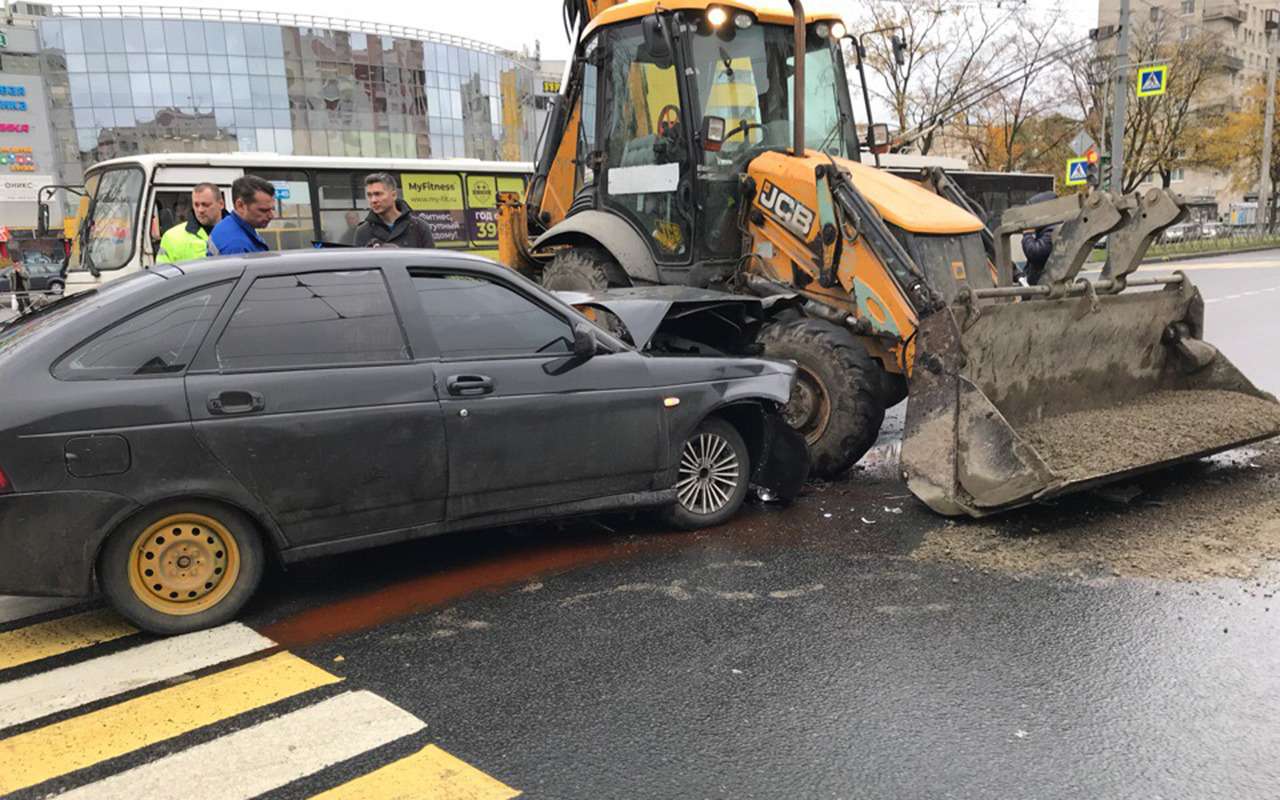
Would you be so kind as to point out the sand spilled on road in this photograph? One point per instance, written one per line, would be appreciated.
(1212, 519)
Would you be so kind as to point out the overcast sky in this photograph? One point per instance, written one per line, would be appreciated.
(514, 24)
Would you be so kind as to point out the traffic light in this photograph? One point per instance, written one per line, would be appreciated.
(1091, 161)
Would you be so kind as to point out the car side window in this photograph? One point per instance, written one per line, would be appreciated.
(473, 317)
(313, 319)
(159, 341)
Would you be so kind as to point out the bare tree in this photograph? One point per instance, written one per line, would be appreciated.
(947, 50)
(1157, 130)
(1007, 131)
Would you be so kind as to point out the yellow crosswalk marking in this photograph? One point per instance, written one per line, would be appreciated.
(429, 774)
(44, 753)
(53, 638)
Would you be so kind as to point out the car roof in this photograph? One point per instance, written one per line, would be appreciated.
(279, 263)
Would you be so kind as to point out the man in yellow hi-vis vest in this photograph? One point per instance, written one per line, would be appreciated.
(189, 240)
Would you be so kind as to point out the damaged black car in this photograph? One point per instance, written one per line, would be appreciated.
(163, 435)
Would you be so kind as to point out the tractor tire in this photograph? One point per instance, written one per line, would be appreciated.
(581, 269)
(838, 399)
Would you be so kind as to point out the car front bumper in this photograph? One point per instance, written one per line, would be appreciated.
(49, 540)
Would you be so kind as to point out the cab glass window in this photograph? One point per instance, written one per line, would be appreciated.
(316, 319)
(472, 317)
(159, 341)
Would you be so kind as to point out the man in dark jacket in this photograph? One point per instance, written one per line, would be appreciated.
(391, 223)
(1037, 245)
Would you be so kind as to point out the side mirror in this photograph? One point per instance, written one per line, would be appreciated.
(42, 220)
(899, 50)
(584, 341)
(878, 135)
(656, 46)
(713, 129)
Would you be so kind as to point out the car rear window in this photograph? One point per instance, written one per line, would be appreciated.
(28, 328)
(161, 340)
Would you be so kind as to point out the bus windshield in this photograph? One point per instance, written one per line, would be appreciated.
(107, 238)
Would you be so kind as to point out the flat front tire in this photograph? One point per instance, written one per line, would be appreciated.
(182, 566)
(712, 478)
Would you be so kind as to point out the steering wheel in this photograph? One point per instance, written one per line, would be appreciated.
(742, 128)
(668, 119)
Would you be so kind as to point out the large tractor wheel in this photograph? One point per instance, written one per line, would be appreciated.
(182, 566)
(838, 399)
(581, 269)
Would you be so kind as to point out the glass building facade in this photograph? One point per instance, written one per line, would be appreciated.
(121, 83)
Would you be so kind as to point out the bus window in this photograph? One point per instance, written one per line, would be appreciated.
(342, 205)
(482, 206)
(293, 228)
(437, 197)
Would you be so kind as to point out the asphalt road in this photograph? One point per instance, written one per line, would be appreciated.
(840, 648)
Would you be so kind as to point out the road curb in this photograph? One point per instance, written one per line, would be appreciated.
(1210, 254)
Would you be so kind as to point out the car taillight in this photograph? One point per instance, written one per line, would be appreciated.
(5, 485)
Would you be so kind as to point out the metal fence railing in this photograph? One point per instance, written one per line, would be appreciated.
(1247, 239)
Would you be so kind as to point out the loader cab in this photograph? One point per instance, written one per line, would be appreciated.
(650, 87)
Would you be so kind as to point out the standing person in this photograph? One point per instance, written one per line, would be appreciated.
(1037, 245)
(255, 207)
(390, 221)
(188, 241)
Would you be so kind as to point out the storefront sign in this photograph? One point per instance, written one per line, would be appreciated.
(13, 105)
(18, 159)
(22, 188)
(13, 91)
(14, 127)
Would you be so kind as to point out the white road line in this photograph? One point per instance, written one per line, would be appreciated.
(68, 687)
(267, 756)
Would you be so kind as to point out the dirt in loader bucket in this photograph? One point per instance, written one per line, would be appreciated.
(1014, 402)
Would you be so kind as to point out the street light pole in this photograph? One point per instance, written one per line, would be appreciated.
(1264, 179)
(1120, 100)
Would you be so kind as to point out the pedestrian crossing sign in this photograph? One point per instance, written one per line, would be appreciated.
(1153, 80)
(1077, 171)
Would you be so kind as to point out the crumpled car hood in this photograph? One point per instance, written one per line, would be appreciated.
(726, 322)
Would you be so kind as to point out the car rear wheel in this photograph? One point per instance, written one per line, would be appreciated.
(56, 287)
(182, 566)
(712, 478)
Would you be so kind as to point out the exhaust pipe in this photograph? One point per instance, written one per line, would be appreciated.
(797, 8)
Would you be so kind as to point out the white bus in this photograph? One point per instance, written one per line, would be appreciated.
(129, 202)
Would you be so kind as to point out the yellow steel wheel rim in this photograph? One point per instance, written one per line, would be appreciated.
(184, 564)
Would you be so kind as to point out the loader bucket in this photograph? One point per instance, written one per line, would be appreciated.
(1015, 402)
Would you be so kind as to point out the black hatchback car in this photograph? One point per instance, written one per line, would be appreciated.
(161, 435)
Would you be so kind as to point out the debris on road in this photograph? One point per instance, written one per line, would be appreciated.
(1217, 518)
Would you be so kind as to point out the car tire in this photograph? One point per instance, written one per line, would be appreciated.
(182, 566)
(712, 477)
(839, 398)
(581, 269)
(56, 287)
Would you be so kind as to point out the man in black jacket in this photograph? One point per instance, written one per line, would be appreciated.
(1037, 245)
(391, 223)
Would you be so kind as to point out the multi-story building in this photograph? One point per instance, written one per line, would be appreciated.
(1237, 29)
(88, 83)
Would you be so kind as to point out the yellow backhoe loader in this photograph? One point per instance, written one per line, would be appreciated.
(713, 144)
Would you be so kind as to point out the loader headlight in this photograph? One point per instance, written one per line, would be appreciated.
(838, 30)
(822, 29)
(717, 16)
(743, 20)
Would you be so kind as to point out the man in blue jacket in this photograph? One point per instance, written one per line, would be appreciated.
(255, 207)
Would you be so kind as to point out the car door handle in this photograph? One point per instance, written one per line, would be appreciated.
(236, 402)
(469, 385)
